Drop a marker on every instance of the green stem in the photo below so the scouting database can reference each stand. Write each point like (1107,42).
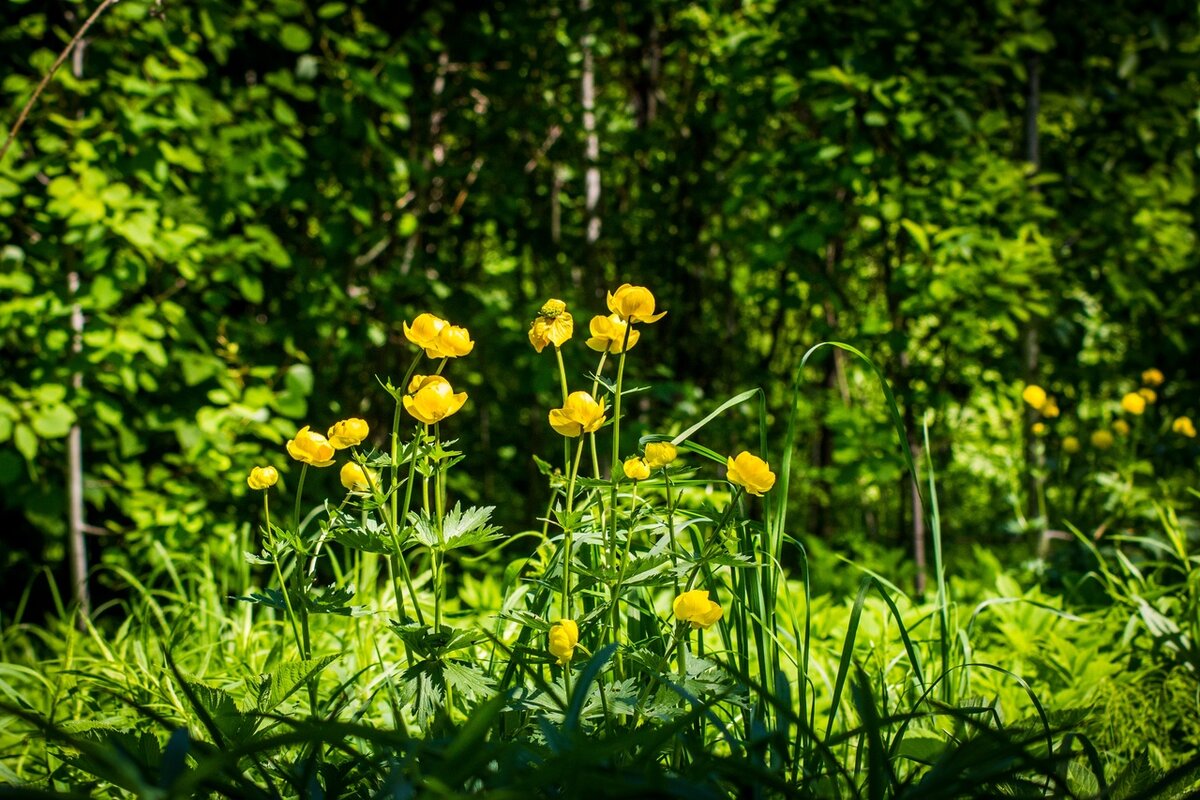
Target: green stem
(568,534)
(616,458)
(395,466)
(287,600)
(436,556)
(562,377)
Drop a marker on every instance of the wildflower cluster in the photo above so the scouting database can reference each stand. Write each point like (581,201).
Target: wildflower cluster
(581,416)
(618,530)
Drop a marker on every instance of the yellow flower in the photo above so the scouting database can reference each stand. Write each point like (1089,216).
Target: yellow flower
(564,636)
(608,333)
(311,448)
(553,325)
(1070,444)
(1035,396)
(1102,440)
(266,477)
(431,398)
(659,454)
(424,331)
(355,478)
(636,469)
(696,608)
(1149,395)
(1133,403)
(348,433)
(451,342)
(634,304)
(750,472)
(1050,409)
(1038,429)
(1153,377)
(579,415)
(1121,427)
(1182,425)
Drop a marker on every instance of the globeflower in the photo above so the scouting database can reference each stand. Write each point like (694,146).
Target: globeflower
(636,469)
(1133,403)
(1121,427)
(424,331)
(564,636)
(1152,377)
(659,454)
(311,448)
(750,472)
(1050,408)
(452,342)
(348,433)
(1070,444)
(553,325)
(266,477)
(633,304)
(1035,396)
(1182,426)
(695,607)
(1038,429)
(579,415)
(1149,395)
(1102,440)
(431,398)
(355,478)
(608,334)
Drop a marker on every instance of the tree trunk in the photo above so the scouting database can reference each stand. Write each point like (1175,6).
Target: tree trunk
(592,149)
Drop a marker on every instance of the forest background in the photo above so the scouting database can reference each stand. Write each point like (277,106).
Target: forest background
(218,215)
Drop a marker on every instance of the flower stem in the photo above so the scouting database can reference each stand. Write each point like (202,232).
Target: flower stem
(567,534)
(437,557)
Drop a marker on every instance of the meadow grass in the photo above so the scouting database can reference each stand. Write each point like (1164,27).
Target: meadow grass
(392,644)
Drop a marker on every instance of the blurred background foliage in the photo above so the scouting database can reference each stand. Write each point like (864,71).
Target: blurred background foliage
(255,195)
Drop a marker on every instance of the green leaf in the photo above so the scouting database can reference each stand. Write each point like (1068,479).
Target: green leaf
(283,681)
(295,38)
(53,422)
(26,441)
(459,528)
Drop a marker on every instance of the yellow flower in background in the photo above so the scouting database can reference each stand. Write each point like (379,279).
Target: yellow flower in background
(311,447)
(636,469)
(579,415)
(1070,444)
(1121,427)
(1102,440)
(266,477)
(1038,429)
(452,342)
(659,454)
(608,333)
(750,472)
(1182,426)
(633,304)
(431,398)
(1133,403)
(424,330)
(1050,408)
(1152,377)
(564,636)
(348,433)
(355,478)
(1149,395)
(553,325)
(1035,396)
(696,608)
